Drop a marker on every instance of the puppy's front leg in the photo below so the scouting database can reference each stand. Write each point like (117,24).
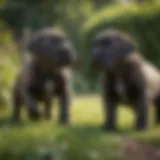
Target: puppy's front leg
(65,103)
(142,111)
(31,105)
(49,88)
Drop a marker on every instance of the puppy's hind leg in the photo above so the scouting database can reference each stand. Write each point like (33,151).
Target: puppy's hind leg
(157,109)
(49,87)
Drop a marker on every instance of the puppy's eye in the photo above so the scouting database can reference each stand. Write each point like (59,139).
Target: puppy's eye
(105,42)
(46,41)
(55,41)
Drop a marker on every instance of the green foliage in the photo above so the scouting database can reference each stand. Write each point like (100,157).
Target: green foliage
(8,66)
(37,14)
(5,36)
(74,14)
(7,76)
(141,22)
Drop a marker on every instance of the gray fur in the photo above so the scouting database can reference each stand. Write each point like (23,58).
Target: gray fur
(127,77)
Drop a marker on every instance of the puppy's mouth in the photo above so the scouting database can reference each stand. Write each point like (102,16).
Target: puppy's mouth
(97,66)
(64,64)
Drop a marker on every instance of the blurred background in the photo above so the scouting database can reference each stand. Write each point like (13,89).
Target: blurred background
(80,19)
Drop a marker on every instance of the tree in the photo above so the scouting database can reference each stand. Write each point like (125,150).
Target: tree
(33,14)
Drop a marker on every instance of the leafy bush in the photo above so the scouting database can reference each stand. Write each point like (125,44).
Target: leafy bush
(141,22)
(7,70)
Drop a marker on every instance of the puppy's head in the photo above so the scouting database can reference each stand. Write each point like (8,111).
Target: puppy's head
(52,47)
(110,48)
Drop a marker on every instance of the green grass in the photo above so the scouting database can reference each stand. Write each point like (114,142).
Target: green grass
(83,140)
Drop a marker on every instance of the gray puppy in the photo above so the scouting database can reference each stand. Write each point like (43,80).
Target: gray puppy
(45,74)
(127,77)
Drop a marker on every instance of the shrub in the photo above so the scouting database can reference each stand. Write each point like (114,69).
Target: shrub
(7,70)
(141,22)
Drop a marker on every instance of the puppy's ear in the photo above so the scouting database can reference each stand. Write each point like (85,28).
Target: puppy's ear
(127,48)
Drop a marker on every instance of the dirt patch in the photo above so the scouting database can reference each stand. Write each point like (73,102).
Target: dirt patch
(134,150)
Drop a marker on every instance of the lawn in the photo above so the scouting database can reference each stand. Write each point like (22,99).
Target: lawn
(83,140)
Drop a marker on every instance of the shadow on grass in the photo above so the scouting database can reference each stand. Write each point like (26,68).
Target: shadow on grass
(6,121)
(88,142)
(96,129)
(78,142)
(64,143)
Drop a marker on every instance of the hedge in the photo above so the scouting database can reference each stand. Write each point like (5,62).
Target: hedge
(141,22)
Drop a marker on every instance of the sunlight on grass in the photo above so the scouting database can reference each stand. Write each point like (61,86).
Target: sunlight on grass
(87,111)
(84,139)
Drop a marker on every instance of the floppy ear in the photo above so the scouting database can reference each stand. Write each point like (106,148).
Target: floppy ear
(127,47)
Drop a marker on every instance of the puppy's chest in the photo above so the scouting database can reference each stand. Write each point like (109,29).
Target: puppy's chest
(43,86)
(124,89)
(120,86)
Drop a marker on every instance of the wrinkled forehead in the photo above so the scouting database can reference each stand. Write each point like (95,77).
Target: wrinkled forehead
(50,34)
(111,35)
